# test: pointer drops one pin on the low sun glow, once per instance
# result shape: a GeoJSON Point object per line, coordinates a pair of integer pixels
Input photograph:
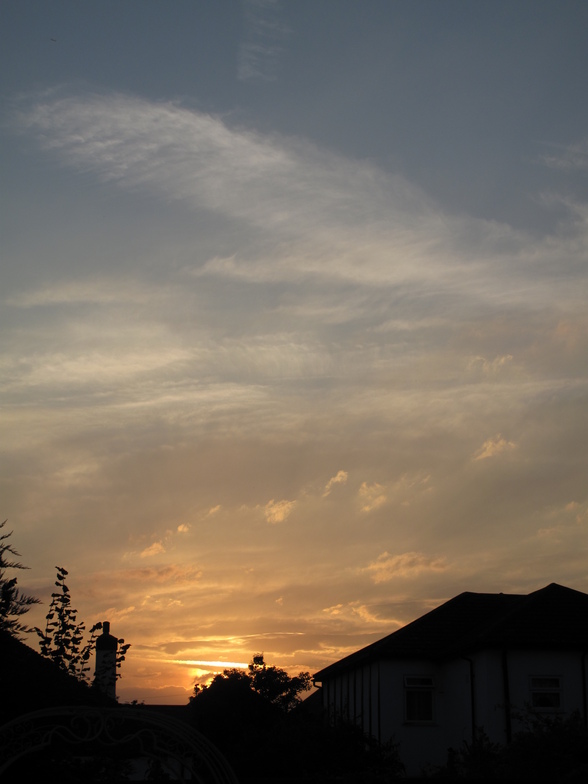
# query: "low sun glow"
{"type": "Point", "coordinates": [209, 664]}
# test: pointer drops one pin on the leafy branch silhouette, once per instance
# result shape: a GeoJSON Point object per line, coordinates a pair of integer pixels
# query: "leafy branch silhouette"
{"type": "Point", "coordinates": [63, 640]}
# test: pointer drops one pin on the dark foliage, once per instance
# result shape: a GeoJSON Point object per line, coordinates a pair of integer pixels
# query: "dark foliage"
{"type": "Point", "coordinates": [230, 712]}
{"type": "Point", "coordinates": [13, 603]}
{"type": "Point", "coordinates": [309, 748]}
{"type": "Point", "coordinates": [275, 685]}
{"type": "Point", "coordinates": [258, 721]}
{"type": "Point", "coordinates": [63, 640]}
{"type": "Point", "coordinates": [548, 749]}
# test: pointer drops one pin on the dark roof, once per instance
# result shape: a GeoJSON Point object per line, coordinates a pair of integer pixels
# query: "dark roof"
{"type": "Point", "coordinates": [552, 617]}
{"type": "Point", "coordinates": [29, 682]}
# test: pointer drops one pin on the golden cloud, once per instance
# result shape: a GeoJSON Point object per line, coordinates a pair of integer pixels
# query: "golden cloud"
{"type": "Point", "coordinates": [340, 478]}
{"type": "Point", "coordinates": [278, 511]}
{"type": "Point", "coordinates": [373, 496]}
{"type": "Point", "coordinates": [386, 567]}
{"type": "Point", "coordinates": [493, 446]}
{"type": "Point", "coordinates": [155, 549]}
{"type": "Point", "coordinates": [490, 367]}
{"type": "Point", "coordinates": [170, 573]}
{"type": "Point", "coordinates": [334, 610]}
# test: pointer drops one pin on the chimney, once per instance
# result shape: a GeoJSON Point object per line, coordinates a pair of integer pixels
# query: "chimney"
{"type": "Point", "coordinates": [105, 676]}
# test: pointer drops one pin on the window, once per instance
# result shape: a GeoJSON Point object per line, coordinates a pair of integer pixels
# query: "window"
{"type": "Point", "coordinates": [546, 692]}
{"type": "Point", "coordinates": [418, 698]}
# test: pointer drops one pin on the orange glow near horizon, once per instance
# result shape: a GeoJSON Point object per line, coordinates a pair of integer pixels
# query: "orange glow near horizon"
{"type": "Point", "coordinates": [215, 664]}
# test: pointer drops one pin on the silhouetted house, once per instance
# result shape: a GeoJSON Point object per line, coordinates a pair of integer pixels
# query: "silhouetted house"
{"type": "Point", "coordinates": [477, 662]}
{"type": "Point", "coordinates": [54, 727]}
{"type": "Point", "coordinates": [30, 682]}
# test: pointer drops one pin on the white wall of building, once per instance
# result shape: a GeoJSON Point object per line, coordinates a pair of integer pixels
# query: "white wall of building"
{"type": "Point", "coordinates": [373, 697]}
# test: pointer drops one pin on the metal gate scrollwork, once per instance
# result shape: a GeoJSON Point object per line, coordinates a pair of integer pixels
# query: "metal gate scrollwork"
{"type": "Point", "coordinates": [141, 736]}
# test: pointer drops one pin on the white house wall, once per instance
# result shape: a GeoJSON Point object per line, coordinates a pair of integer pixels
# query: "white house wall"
{"type": "Point", "coordinates": [499, 677]}
{"type": "Point", "coordinates": [354, 697]}
{"type": "Point", "coordinates": [567, 666]}
{"type": "Point", "coordinates": [489, 695]}
{"type": "Point", "coordinates": [373, 698]}
{"type": "Point", "coordinates": [419, 744]}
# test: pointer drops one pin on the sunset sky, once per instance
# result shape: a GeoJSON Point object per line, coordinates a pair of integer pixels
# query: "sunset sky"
{"type": "Point", "coordinates": [293, 316]}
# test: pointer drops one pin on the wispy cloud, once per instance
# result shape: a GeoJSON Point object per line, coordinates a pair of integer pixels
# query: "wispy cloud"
{"type": "Point", "coordinates": [494, 446]}
{"type": "Point", "coordinates": [154, 549]}
{"type": "Point", "coordinates": [401, 491]}
{"type": "Point", "coordinates": [193, 156]}
{"type": "Point", "coordinates": [570, 157]}
{"type": "Point", "coordinates": [165, 574]}
{"type": "Point", "coordinates": [264, 36]}
{"type": "Point", "coordinates": [278, 511]}
{"type": "Point", "coordinates": [340, 478]}
{"type": "Point", "coordinates": [96, 291]}
{"type": "Point", "coordinates": [388, 567]}
{"type": "Point", "coordinates": [356, 612]}
{"type": "Point", "coordinates": [372, 496]}
{"type": "Point", "coordinates": [329, 219]}
{"type": "Point", "coordinates": [491, 367]}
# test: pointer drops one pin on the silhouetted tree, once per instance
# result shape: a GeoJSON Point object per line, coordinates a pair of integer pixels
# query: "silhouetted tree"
{"type": "Point", "coordinates": [13, 603]}
{"type": "Point", "coordinates": [275, 685]}
{"type": "Point", "coordinates": [257, 719]}
{"type": "Point", "coordinates": [229, 711]}
{"type": "Point", "coordinates": [242, 711]}
{"type": "Point", "coordinates": [548, 748]}
{"type": "Point", "coordinates": [63, 639]}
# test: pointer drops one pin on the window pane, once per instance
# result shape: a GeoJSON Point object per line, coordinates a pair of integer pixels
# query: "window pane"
{"type": "Point", "coordinates": [545, 699]}
{"type": "Point", "coordinates": [414, 681]}
{"type": "Point", "coordinates": [419, 705]}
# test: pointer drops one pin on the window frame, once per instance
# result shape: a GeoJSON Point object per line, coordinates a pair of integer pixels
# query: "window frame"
{"type": "Point", "coordinates": [419, 685]}
{"type": "Point", "coordinates": [537, 690]}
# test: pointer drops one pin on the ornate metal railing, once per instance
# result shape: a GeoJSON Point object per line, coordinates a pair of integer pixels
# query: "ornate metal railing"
{"type": "Point", "coordinates": [136, 734]}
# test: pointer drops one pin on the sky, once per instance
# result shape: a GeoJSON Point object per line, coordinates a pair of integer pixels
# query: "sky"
{"type": "Point", "coordinates": [293, 324]}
